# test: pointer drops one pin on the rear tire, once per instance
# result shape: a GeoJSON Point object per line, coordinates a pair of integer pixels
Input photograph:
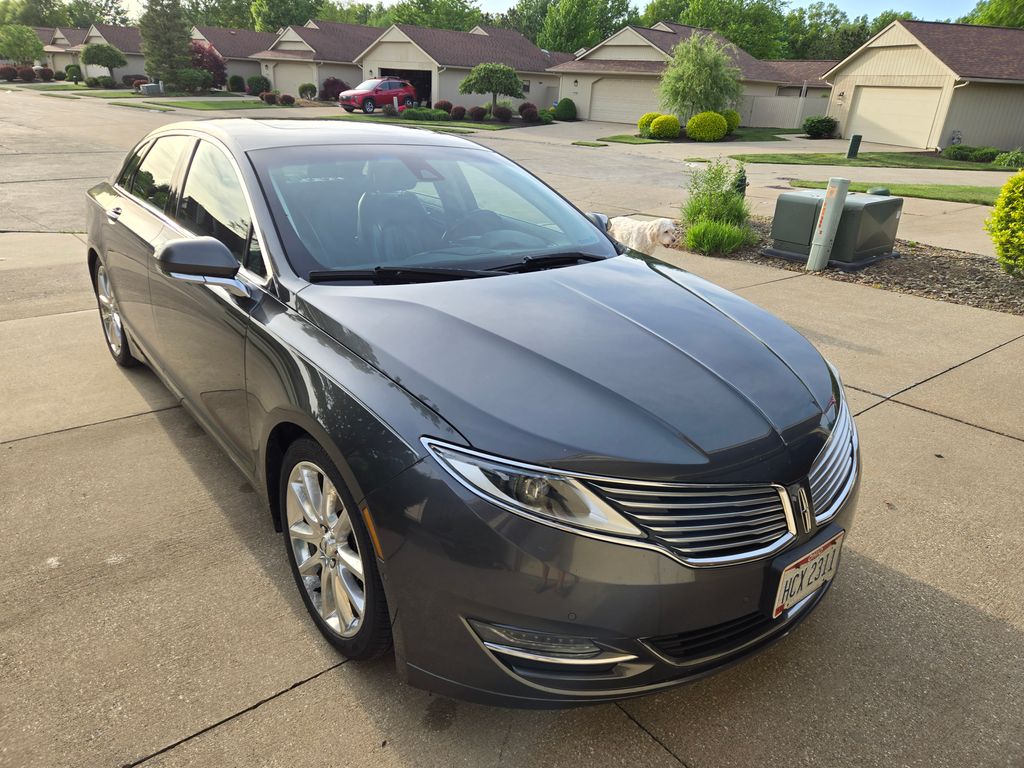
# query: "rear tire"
{"type": "Point", "coordinates": [114, 332]}
{"type": "Point", "coordinates": [331, 553]}
{"type": "Point", "coordinates": [369, 106]}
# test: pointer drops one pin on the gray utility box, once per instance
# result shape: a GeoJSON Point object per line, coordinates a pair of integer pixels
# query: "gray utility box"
{"type": "Point", "coordinates": [150, 89]}
{"type": "Point", "coordinates": [867, 229]}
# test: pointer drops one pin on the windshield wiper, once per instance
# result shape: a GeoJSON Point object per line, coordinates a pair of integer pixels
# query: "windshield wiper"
{"type": "Point", "coordinates": [398, 274]}
{"type": "Point", "coordinates": [543, 260]}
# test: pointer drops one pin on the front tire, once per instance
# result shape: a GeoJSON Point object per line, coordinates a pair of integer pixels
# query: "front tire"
{"type": "Point", "coordinates": [350, 110]}
{"type": "Point", "coordinates": [409, 101]}
{"type": "Point", "coordinates": [369, 106]}
{"type": "Point", "coordinates": [110, 316]}
{"type": "Point", "coordinates": [331, 554]}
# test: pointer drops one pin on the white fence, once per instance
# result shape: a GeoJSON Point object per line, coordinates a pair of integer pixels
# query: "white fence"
{"type": "Point", "coordinates": [779, 111]}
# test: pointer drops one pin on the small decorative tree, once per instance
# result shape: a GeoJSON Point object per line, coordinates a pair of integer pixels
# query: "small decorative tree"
{"type": "Point", "coordinates": [494, 79]}
{"type": "Point", "coordinates": [20, 44]}
{"type": "Point", "coordinates": [103, 55]}
{"type": "Point", "coordinates": [700, 78]}
{"type": "Point", "coordinates": [208, 58]}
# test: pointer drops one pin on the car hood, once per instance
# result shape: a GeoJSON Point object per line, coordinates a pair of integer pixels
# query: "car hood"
{"type": "Point", "coordinates": [352, 92]}
{"type": "Point", "coordinates": [625, 367]}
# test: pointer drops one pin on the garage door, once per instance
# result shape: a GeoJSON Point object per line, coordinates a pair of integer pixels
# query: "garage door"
{"type": "Point", "coordinates": [901, 116]}
{"type": "Point", "coordinates": [288, 76]}
{"type": "Point", "coordinates": [623, 99]}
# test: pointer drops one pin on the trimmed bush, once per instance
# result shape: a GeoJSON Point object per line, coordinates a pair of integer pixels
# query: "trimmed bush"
{"type": "Point", "coordinates": [530, 115]}
{"type": "Point", "coordinates": [236, 84]}
{"type": "Point", "coordinates": [957, 152]}
{"type": "Point", "coordinates": [706, 126]}
{"type": "Point", "coordinates": [458, 112]}
{"type": "Point", "coordinates": [192, 80]}
{"type": "Point", "coordinates": [820, 126]}
{"type": "Point", "coordinates": [665, 127]}
{"type": "Point", "coordinates": [269, 97]}
{"type": "Point", "coordinates": [1007, 226]}
{"type": "Point", "coordinates": [92, 82]}
{"type": "Point", "coordinates": [8, 73]}
{"type": "Point", "coordinates": [501, 113]}
{"type": "Point", "coordinates": [984, 154]}
{"type": "Point", "coordinates": [526, 105]}
{"type": "Point", "coordinates": [477, 113]}
{"type": "Point", "coordinates": [287, 100]}
{"type": "Point", "coordinates": [106, 81]}
{"type": "Point", "coordinates": [332, 88]}
{"type": "Point", "coordinates": [643, 125]}
{"type": "Point", "coordinates": [717, 238]}
{"type": "Point", "coordinates": [443, 104]}
{"type": "Point", "coordinates": [565, 110]}
{"type": "Point", "coordinates": [59, 75]}
{"type": "Point", "coordinates": [307, 91]}
{"type": "Point", "coordinates": [547, 116]}
{"type": "Point", "coordinates": [424, 113]}
{"type": "Point", "coordinates": [26, 74]}
{"type": "Point", "coordinates": [1012, 159]}
{"type": "Point", "coordinates": [257, 84]}
{"type": "Point", "coordinates": [732, 120]}
{"type": "Point", "coordinates": [73, 72]}
{"type": "Point", "coordinates": [46, 74]}
{"type": "Point", "coordinates": [129, 80]}
{"type": "Point", "coordinates": [713, 195]}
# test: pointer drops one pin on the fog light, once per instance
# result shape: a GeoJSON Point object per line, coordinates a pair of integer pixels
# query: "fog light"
{"type": "Point", "coordinates": [534, 642]}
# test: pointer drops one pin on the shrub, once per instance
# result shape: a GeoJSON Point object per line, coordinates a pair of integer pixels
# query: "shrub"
{"type": "Point", "coordinates": [524, 106]}
{"type": "Point", "coordinates": [547, 116]}
{"type": "Point", "coordinates": [502, 113]}
{"type": "Point", "coordinates": [73, 72]}
{"type": "Point", "coordinates": [443, 104]}
{"type": "Point", "coordinates": [713, 195]}
{"type": "Point", "coordinates": [706, 126]}
{"type": "Point", "coordinates": [92, 82]}
{"type": "Point", "coordinates": [732, 119]}
{"type": "Point", "coordinates": [1007, 226]}
{"type": "Point", "coordinates": [332, 88]}
{"type": "Point", "coordinates": [106, 81]}
{"type": "Point", "coordinates": [820, 126]}
{"type": "Point", "coordinates": [8, 73]}
{"type": "Point", "coordinates": [307, 91]}
{"type": "Point", "coordinates": [458, 112]}
{"type": "Point", "coordinates": [257, 84]}
{"type": "Point", "coordinates": [477, 113]}
{"type": "Point", "coordinates": [971, 154]}
{"type": "Point", "coordinates": [192, 80]}
{"type": "Point", "coordinates": [715, 238]}
{"type": "Point", "coordinates": [129, 80]}
{"type": "Point", "coordinates": [530, 115]}
{"type": "Point", "coordinates": [565, 110]}
{"type": "Point", "coordinates": [643, 125]}
{"type": "Point", "coordinates": [665, 127]}
{"type": "Point", "coordinates": [287, 100]}
{"type": "Point", "coordinates": [269, 97]}
{"type": "Point", "coordinates": [207, 58]}
{"type": "Point", "coordinates": [984, 154]}
{"type": "Point", "coordinates": [389, 110]}
{"type": "Point", "coordinates": [236, 84]}
{"type": "Point", "coordinates": [1012, 159]}
{"type": "Point", "coordinates": [46, 74]}
{"type": "Point", "coordinates": [957, 152]}
{"type": "Point", "coordinates": [424, 113]}
{"type": "Point", "coordinates": [59, 75]}
{"type": "Point", "coordinates": [26, 74]}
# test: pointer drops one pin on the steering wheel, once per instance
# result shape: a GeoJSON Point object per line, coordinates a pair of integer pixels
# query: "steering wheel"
{"type": "Point", "coordinates": [476, 222]}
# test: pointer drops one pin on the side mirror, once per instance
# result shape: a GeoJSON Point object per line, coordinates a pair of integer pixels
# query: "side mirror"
{"type": "Point", "coordinates": [201, 260]}
{"type": "Point", "coordinates": [599, 220]}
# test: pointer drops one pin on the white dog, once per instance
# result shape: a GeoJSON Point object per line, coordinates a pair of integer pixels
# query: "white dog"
{"type": "Point", "coordinates": [643, 236]}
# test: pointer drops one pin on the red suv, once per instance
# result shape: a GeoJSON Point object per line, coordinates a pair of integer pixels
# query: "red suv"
{"type": "Point", "coordinates": [371, 94]}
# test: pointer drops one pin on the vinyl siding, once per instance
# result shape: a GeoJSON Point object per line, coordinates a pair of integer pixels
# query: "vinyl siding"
{"type": "Point", "coordinates": [627, 44]}
{"type": "Point", "coordinates": [986, 114]}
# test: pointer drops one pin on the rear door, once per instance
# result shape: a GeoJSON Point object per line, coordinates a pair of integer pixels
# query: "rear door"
{"type": "Point", "coordinates": [201, 328]}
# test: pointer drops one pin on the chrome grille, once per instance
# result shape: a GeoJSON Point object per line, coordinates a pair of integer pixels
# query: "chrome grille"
{"type": "Point", "coordinates": [705, 525]}
{"type": "Point", "coordinates": [833, 472]}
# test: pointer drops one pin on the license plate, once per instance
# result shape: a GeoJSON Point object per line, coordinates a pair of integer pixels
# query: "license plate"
{"type": "Point", "coordinates": [807, 574]}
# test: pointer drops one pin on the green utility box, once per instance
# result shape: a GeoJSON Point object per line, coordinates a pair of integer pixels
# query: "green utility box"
{"type": "Point", "coordinates": [867, 229]}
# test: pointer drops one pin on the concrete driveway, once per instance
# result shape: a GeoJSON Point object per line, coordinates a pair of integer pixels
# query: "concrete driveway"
{"type": "Point", "coordinates": [147, 615]}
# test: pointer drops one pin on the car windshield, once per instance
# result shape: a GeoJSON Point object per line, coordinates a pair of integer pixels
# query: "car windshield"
{"type": "Point", "coordinates": [367, 85]}
{"type": "Point", "coordinates": [363, 207]}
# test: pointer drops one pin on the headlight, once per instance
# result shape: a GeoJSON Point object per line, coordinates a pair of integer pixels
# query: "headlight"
{"type": "Point", "coordinates": [536, 492]}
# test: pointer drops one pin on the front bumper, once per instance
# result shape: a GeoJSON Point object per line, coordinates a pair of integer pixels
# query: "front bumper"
{"type": "Point", "coordinates": [450, 557]}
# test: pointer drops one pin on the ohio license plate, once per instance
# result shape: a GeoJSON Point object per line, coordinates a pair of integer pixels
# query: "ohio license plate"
{"type": "Point", "coordinates": [807, 574]}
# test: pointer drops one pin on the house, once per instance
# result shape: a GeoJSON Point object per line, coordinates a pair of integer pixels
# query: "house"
{"type": "Point", "coordinates": [236, 46]}
{"type": "Point", "coordinates": [803, 77]}
{"type": "Point", "coordinates": [617, 80]}
{"type": "Point", "coordinates": [63, 46]}
{"type": "Point", "coordinates": [436, 61]}
{"type": "Point", "coordinates": [928, 84]}
{"type": "Point", "coordinates": [314, 52]}
{"type": "Point", "coordinates": [126, 39]}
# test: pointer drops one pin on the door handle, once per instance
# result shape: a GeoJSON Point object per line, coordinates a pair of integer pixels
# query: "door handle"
{"type": "Point", "coordinates": [113, 214]}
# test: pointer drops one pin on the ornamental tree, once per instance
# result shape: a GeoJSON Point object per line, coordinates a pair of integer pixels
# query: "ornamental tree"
{"type": "Point", "coordinates": [208, 59]}
{"type": "Point", "coordinates": [700, 78]}
{"type": "Point", "coordinates": [20, 44]}
{"type": "Point", "coordinates": [494, 79]}
{"type": "Point", "coordinates": [103, 55]}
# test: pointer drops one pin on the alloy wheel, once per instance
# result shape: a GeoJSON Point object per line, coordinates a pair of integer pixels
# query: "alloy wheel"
{"type": "Point", "coordinates": [325, 549]}
{"type": "Point", "coordinates": [109, 312]}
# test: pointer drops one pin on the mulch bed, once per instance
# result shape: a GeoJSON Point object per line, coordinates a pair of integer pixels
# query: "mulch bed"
{"type": "Point", "coordinates": [921, 270]}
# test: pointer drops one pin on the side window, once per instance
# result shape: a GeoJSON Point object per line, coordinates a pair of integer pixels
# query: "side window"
{"type": "Point", "coordinates": [125, 178]}
{"type": "Point", "coordinates": [152, 181]}
{"type": "Point", "coordinates": [212, 203]}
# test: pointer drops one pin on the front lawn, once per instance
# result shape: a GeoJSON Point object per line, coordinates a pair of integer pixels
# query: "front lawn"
{"type": "Point", "coordinates": [481, 126]}
{"type": "Point", "coordinates": [206, 105]}
{"type": "Point", "coordinates": [137, 105]}
{"type": "Point", "coordinates": [55, 87]}
{"type": "Point", "coordinates": [628, 138]}
{"type": "Point", "coordinates": [957, 193]}
{"type": "Point", "coordinates": [60, 95]}
{"type": "Point", "coordinates": [865, 160]}
{"type": "Point", "coordinates": [114, 93]}
{"type": "Point", "coordinates": [589, 144]}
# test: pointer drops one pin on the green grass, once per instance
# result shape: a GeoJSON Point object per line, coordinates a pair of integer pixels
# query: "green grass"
{"type": "Point", "coordinates": [866, 160]}
{"type": "Point", "coordinates": [425, 123]}
{"type": "Point", "coordinates": [627, 138]}
{"type": "Point", "coordinates": [114, 93]}
{"type": "Point", "coordinates": [138, 105]}
{"type": "Point", "coordinates": [589, 144]}
{"type": "Point", "coordinates": [205, 105]}
{"type": "Point", "coordinates": [59, 95]}
{"type": "Point", "coordinates": [762, 134]}
{"type": "Point", "coordinates": [125, 93]}
{"type": "Point", "coordinates": [55, 87]}
{"type": "Point", "coordinates": [957, 193]}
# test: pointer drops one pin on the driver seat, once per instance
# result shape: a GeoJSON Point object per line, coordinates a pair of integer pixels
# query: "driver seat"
{"type": "Point", "coordinates": [392, 224]}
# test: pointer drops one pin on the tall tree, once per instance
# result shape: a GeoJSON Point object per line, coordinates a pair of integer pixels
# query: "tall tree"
{"type": "Point", "coordinates": [84, 13]}
{"type": "Point", "coordinates": [271, 15]}
{"type": "Point", "coordinates": [700, 77]}
{"type": "Point", "coordinates": [824, 31]}
{"type": "Point", "coordinates": [573, 24]}
{"type": "Point", "coordinates": [219, 13]}
{"type": "Point", "coordinates": [663, 10]}
{"type": "Point", "coordinates": [354, 13]}
{"type": "Point", "coordinates": [442, 14]}
{"type": "Point", "coordinates": [526, 16]}
{"type": "Point", "coordinates": [756, 26]}
{"type": "Point", "coordinates": [33, 13]}
{"type": "Point", "coordinates": [165, 39]}
{"type": "Point", "coordinates": [997, 13]}
{"type": "Point", "coordinates": [20, 44]}
{"type": "Point", "coordinates": [885, 18]}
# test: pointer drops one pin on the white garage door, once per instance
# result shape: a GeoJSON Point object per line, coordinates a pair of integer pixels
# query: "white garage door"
{"type": "Point", "coordinates": [288, 76]}
{"type": "Point", "coordinates": [901, 116]}
{"type": "Point", "coordinates": [623, 99]}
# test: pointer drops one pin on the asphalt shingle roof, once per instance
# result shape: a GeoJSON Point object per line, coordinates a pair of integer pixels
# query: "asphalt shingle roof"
{"type": "Point", "coordinates": [74, 35]}
{"type": "Point", "coordinates": [237, 43]}
{"type": "Point", "coordinates": [467, 49]}
{"type": "Point", "coordinates": [44, 34]}
{"type": "Point", "coordinates": [125, 39]}
{"type": "Point", "coordinates": [995, 53]}
{"type": "Point", "coordinates": [798, 71]}
{"type": "Point", "coordinates": [333, 41]}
